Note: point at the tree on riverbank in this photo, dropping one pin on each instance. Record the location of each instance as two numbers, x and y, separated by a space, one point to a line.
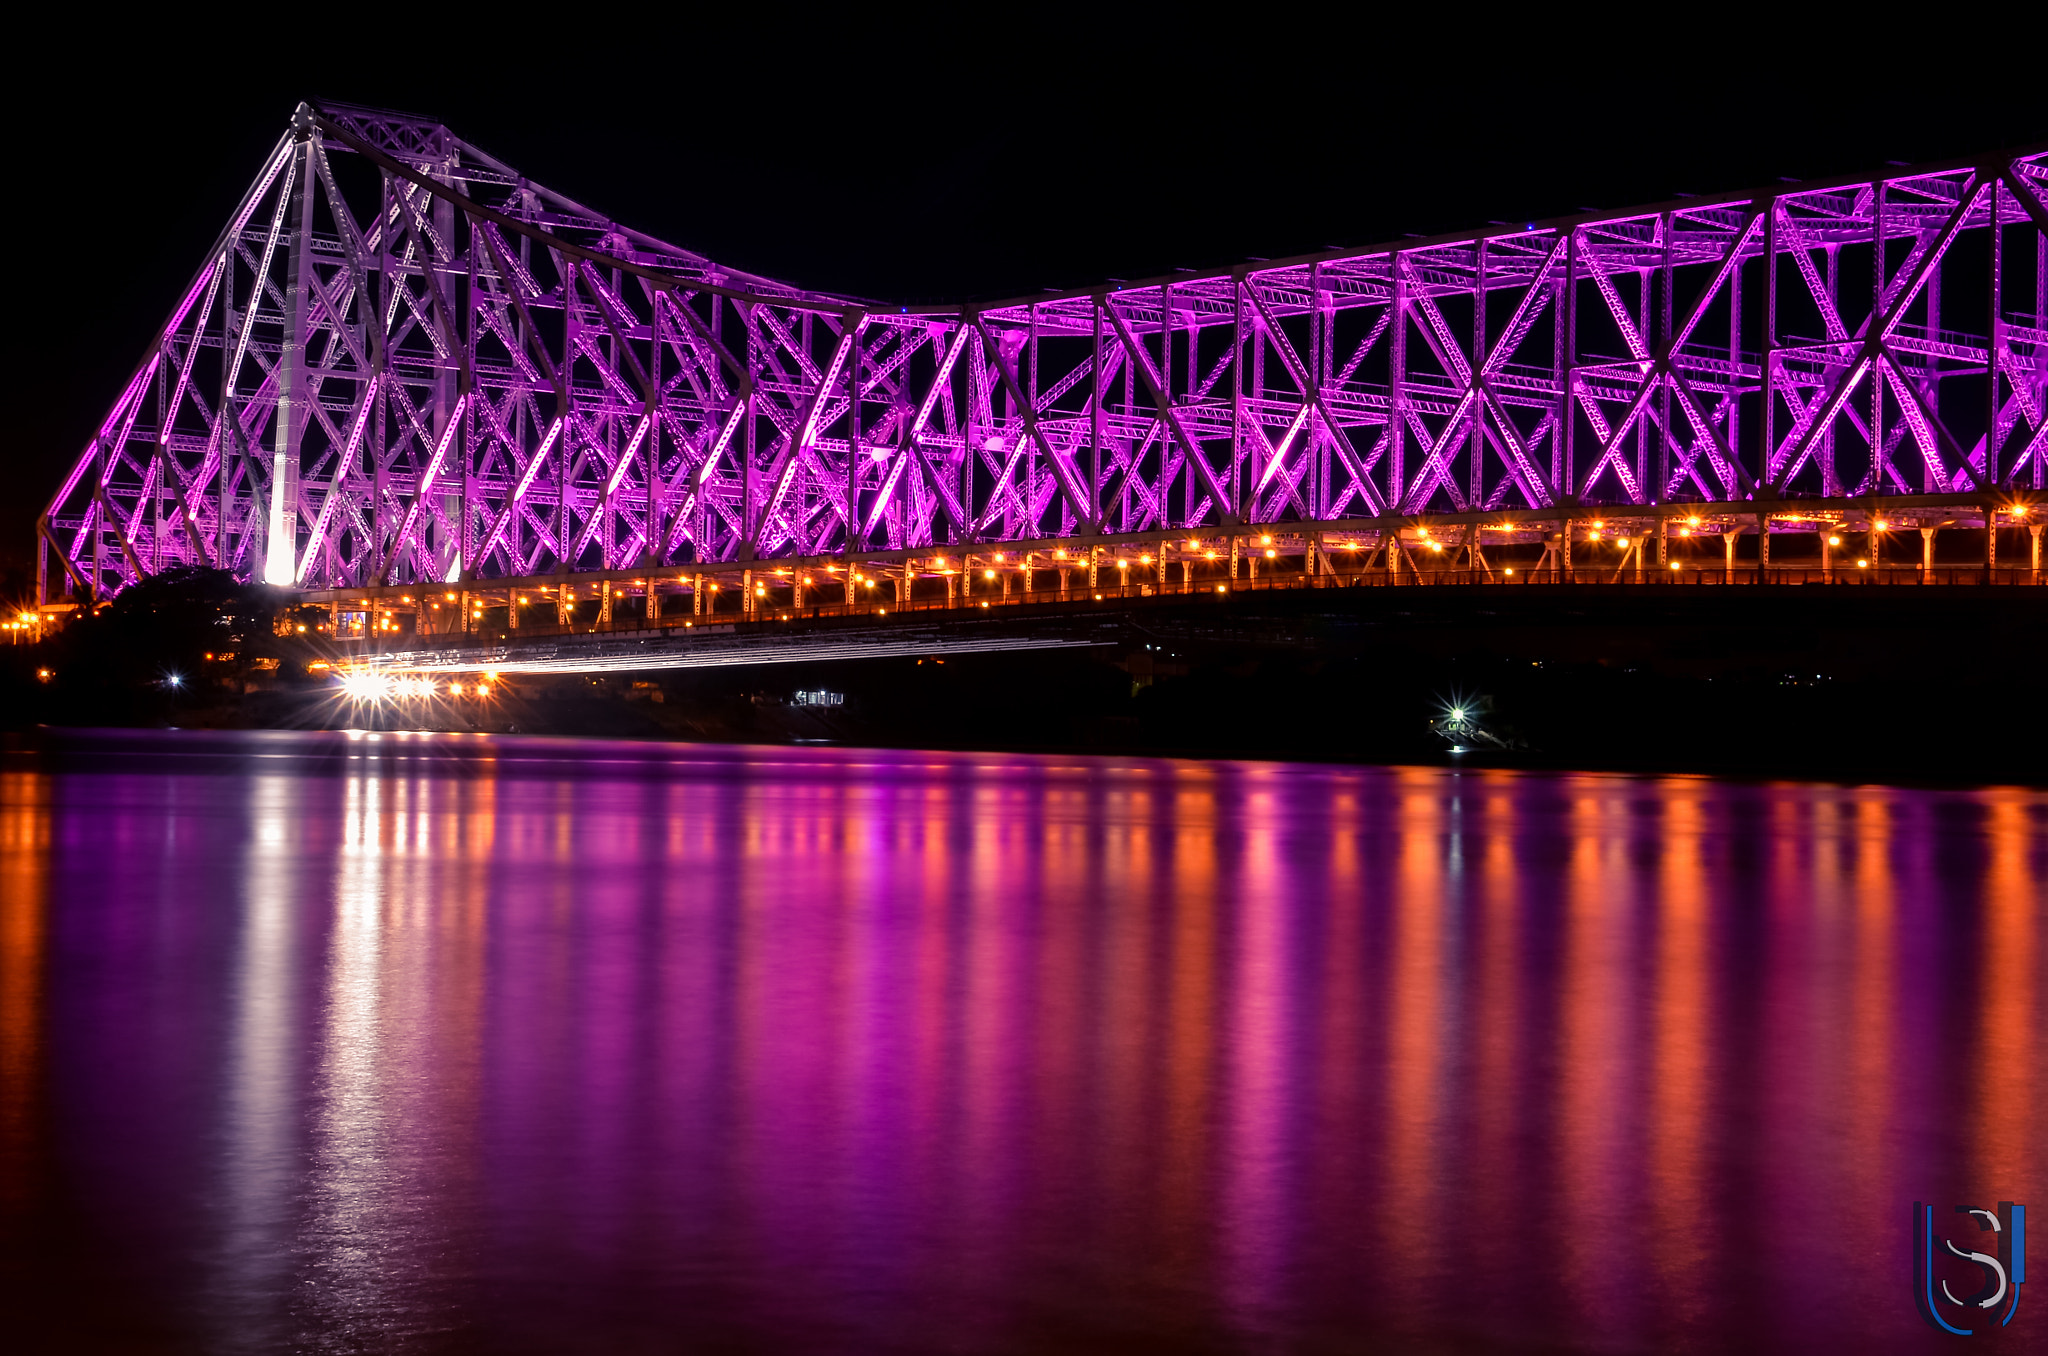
186 636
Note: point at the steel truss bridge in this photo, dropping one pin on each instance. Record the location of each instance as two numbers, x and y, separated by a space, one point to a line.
405 371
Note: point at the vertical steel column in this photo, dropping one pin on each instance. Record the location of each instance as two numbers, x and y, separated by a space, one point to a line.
1564 445
1397 394
464 321
1763 548
1729 534
1124 523
225 422
1476 440
1767 422
449 386
1092 510
1927 554
2034 574
1234 511
697 595
293 401
1666 278
604 603
1997 340
1877 433
852 532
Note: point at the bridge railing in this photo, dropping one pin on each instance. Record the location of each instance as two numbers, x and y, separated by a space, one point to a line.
1078 597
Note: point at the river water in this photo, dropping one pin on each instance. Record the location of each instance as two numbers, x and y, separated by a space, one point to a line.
462 1044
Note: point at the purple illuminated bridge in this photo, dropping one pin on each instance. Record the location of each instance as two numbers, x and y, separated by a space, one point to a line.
405 366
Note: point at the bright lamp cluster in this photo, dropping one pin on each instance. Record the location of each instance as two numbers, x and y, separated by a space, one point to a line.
380 687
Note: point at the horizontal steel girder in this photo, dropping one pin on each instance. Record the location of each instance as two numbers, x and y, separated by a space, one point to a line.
403 364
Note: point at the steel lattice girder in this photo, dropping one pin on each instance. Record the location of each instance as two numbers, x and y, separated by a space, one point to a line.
454 373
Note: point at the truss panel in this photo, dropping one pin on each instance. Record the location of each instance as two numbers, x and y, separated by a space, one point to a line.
404 362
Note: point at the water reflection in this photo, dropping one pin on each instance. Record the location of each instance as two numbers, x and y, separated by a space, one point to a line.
462 1044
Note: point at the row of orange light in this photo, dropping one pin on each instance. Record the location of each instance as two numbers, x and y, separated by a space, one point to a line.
1059 553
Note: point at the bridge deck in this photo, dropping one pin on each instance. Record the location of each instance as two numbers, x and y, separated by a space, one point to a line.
1042 619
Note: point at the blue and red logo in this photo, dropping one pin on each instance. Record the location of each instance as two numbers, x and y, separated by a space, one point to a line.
1999 1272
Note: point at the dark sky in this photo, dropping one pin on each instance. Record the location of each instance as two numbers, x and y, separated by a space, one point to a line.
945 158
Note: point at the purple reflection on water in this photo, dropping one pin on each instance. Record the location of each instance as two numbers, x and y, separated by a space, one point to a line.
457 1044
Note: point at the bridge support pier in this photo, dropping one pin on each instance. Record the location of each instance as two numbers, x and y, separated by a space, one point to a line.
852 579
1730 535
1094 568
1927 554
604 603
565 605
1990 541
1827 556
1565 572
953 582
746 593
697 596
1663 546
1233 562
1763 548
2035 531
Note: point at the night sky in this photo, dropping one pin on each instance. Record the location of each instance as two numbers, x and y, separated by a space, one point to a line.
946 158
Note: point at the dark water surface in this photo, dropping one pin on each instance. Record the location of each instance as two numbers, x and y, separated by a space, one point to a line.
442 1043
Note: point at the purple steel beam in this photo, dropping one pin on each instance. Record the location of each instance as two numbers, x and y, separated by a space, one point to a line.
491 381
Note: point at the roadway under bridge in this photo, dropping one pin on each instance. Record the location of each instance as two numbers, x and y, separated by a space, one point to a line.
445 403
